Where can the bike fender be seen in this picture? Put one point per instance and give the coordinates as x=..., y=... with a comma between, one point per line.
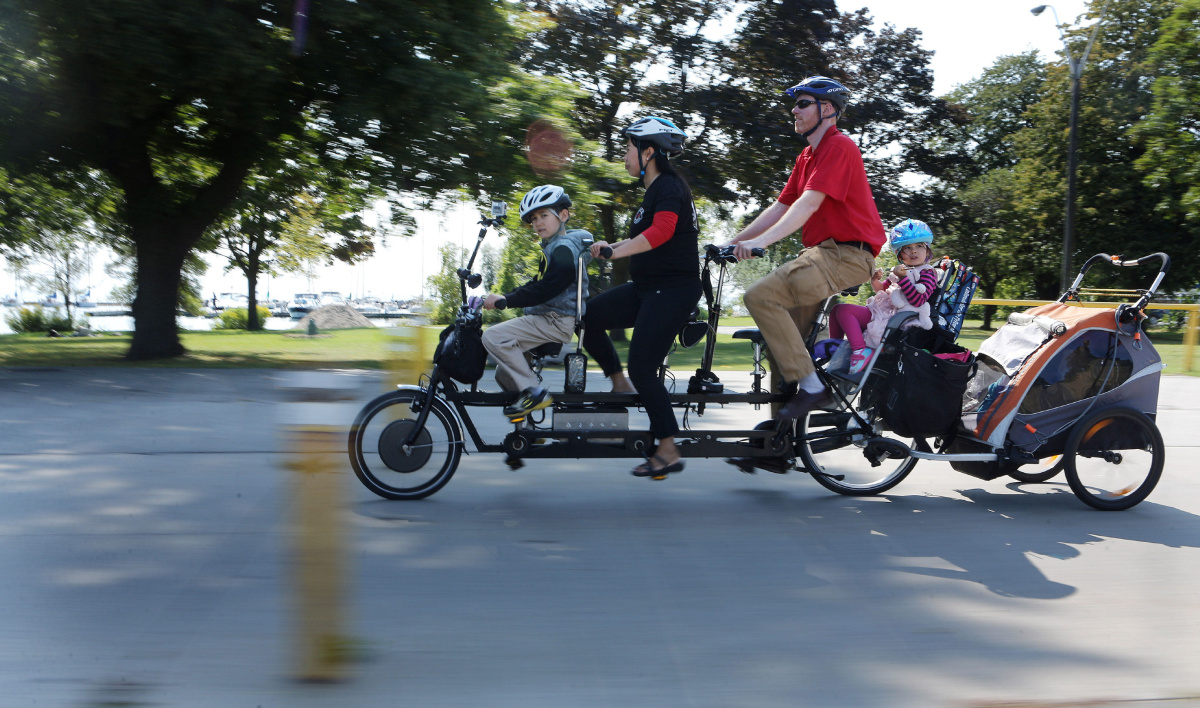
x=438, y=399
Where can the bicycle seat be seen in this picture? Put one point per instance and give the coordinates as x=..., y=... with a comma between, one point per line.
x=850, y=291
x=549, y=349
x=752, y=334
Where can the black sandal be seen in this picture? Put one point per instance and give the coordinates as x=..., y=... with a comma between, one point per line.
x=647, y=470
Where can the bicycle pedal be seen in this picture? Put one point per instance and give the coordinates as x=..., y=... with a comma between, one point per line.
x=517, y=420
x=659, y=479
x=741, y=465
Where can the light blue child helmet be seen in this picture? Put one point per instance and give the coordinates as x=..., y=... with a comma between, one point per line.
x=908, y=232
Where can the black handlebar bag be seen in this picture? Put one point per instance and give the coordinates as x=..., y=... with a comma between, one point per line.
x=460, y=351
x=924, y=397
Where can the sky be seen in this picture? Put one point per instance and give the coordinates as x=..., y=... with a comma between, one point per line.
x=966, y=37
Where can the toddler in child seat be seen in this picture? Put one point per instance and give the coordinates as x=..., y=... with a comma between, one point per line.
x=908, y=287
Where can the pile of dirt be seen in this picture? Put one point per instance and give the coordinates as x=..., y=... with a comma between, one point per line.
x=336, y=316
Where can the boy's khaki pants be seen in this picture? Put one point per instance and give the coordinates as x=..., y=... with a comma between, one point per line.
x=785, y=302
x=508, y=341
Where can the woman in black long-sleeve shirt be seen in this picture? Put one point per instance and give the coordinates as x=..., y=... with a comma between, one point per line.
x=663, y=289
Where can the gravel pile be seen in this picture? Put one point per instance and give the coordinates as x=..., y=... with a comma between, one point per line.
x=336, y=316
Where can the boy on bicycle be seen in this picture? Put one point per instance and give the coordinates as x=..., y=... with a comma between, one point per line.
x=548, y=299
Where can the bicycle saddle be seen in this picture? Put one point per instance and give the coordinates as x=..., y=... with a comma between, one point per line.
x=752, y=334
x=549, y=349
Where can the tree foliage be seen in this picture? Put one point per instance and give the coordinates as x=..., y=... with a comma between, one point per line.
x=445, y=294
x=295, y=209
x=1171, y=130
x=1003, y=192
x=51, y=224
x=178, y=102
x=1116, y=212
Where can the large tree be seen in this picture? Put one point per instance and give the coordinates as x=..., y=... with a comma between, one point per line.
x=972, y=205
x=1117, y=212
x=177, y=101
x=1171, y=130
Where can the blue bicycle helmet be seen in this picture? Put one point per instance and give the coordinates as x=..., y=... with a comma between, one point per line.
x=908, y=232
x=821, y=87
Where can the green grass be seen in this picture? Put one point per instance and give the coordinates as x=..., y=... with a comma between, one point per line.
x=368, y=348
x=221, y=349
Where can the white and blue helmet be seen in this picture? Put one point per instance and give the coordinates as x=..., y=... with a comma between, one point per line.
x=908, y=232
x=659, y=132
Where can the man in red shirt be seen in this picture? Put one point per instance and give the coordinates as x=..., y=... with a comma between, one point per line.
x=828, y=197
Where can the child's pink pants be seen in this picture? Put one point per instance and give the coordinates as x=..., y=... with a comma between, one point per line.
x=849, y=321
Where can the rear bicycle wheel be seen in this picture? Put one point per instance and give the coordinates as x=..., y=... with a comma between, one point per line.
x=1043, y=470
x=393, y=470
x=1114, y=458
x=833, y=444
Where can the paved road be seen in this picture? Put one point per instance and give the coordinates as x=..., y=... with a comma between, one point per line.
x=144, y=530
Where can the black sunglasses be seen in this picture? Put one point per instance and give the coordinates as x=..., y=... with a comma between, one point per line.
x=804, y=103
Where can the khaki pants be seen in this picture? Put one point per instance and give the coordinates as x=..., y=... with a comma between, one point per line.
x=785, y=302
x=508, y=341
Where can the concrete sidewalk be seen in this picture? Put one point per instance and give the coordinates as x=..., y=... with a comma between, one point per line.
x=145, y=534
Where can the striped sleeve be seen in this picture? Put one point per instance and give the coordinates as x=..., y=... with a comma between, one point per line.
x=914, y=297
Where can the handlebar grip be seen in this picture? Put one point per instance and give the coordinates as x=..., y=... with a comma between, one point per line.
x=1164, y=260
x=758, y=252
x=606, y=252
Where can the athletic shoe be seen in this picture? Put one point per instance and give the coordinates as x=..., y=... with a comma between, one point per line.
x=531, y=399
x=859, y=360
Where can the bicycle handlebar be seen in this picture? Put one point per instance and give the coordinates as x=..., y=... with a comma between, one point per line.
x=1164, y=266
x=725, y=254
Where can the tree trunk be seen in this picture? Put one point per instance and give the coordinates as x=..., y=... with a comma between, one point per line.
x=159, y=271
x=252, y=323
x=164, y=226
x=988, y=310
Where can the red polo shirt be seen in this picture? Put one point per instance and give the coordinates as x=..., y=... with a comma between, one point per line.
x=848, y=212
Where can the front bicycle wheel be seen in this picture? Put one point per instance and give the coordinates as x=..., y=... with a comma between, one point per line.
x=1114, y=458
x=833, y=444
x=390, y=468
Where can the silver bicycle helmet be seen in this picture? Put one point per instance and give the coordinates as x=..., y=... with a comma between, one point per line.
x=659, y=132
x=547, y=196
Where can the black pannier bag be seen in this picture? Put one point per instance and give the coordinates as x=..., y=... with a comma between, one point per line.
x=460, y=352
x=924, y=394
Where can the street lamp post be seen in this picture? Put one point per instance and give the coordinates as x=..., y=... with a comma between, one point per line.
x=1075, y=68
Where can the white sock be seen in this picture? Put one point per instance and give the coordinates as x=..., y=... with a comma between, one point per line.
x=812, y=384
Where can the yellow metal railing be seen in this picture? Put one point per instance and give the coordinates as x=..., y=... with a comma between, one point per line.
x=1191, y=331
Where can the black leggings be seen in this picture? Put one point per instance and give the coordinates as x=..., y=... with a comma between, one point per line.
x=656, y=314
